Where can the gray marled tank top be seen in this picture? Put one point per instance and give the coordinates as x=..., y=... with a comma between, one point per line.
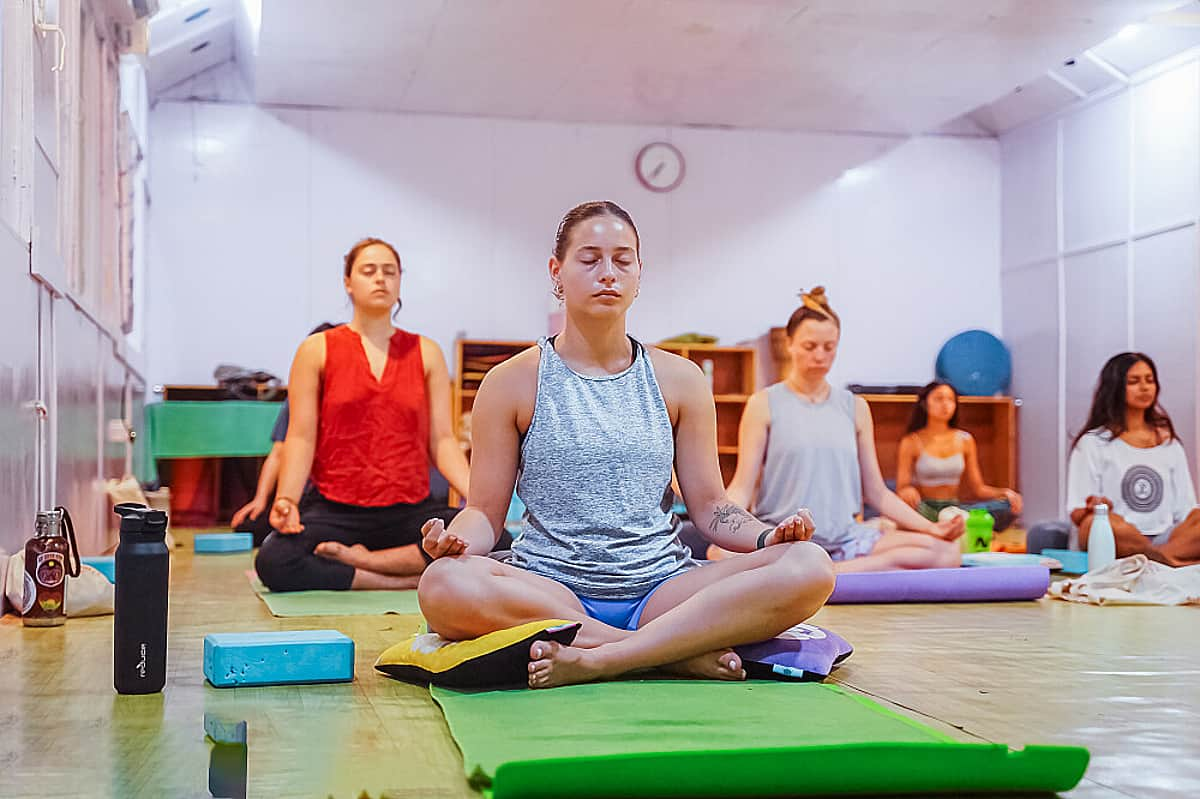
x=812, y=461
x=595, y=477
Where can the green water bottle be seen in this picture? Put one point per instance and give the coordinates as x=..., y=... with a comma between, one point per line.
x=978, y=537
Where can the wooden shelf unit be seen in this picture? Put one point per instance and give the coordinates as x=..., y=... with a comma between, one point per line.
x=733, y=375
x=991, y=420
x=734, y=370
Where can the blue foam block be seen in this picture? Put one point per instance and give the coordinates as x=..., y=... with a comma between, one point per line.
x=224, y=542
x=105, y=564
x=1073, y=562
x=224, y=731
x=280, y=658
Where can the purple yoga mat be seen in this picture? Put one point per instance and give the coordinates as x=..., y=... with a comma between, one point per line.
x=941, y=585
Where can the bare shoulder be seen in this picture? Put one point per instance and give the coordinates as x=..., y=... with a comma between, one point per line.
x=431, y=354
x=759, y=406
x=311, y=351
x=862, y=415
x=429, y=346
x=517, y=375
x=681, y=382
x=676, y=371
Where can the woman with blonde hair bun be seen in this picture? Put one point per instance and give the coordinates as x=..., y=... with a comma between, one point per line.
x=804, y=443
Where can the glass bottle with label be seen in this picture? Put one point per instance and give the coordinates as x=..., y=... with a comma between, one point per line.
x=48, y=563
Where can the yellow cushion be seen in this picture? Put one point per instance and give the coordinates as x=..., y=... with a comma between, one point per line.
x=497, y=659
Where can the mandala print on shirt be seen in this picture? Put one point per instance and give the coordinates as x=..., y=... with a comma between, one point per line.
x=1142, y=489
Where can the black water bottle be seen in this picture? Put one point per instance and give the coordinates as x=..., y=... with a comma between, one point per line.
x=140, y=616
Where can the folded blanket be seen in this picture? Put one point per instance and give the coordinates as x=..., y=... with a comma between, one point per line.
x=1135, y=580
x=89, y=594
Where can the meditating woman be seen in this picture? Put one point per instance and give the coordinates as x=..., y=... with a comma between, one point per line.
x=589, y=425
x=802, y=439
x=1128, y=457
x=935, y=456
x=370, y=408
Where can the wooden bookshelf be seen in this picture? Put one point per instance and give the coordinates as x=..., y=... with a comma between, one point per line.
x=991, y=420
x=733, y=375
x=734, y=370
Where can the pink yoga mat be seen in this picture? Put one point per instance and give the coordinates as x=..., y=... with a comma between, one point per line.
x=942, y=585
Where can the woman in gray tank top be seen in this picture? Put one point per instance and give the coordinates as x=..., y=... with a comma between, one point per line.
x=801, y=440
x=589, y=425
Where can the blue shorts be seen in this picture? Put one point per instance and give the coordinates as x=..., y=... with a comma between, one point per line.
x=624, y=614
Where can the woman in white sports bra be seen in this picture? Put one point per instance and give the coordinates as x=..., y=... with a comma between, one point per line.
x=936, y=456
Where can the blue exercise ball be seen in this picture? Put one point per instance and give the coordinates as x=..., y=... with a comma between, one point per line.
x=976, y=363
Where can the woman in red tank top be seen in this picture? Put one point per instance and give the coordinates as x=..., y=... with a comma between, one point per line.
x=370, y=410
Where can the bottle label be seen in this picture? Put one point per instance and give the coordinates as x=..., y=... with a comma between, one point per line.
x=49, y=569
x=29, y=596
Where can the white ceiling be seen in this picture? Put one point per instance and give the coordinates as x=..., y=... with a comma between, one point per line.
x=887, y=66
x=1108, y=65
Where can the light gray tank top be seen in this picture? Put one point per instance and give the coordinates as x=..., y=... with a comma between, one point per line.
x=595, y=477
x=812, y=461
x=931, y=471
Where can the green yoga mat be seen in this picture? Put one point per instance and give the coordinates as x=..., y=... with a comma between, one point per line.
x=668, y=738
x=335, y=603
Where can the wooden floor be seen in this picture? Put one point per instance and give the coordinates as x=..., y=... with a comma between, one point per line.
x=1124, y=682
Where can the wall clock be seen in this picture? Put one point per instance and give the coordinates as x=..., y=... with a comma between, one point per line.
x=659, y=166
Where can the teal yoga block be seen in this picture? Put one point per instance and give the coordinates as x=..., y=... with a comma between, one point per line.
x=1073, y=562
x=224, y=542
x=278, y=658
x=105, y=564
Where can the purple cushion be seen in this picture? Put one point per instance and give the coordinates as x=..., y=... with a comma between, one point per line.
x=805, y=652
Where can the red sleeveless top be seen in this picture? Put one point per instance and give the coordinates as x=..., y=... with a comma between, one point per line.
x=372, y=435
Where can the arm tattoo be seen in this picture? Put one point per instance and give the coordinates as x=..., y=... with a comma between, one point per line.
x=730, y=515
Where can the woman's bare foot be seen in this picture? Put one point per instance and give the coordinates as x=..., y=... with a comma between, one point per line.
x=551, y=664
x=357, y=556
x=721, y=664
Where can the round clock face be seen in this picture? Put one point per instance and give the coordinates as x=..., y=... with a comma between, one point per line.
x=659, y=166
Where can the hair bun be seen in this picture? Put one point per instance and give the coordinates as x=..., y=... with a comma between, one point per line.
x=816, y=300
x=813, y=305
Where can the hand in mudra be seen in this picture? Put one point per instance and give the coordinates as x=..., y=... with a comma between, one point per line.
x=285, y=517
x=797, y=527
x=951, y=528
x=439, y=542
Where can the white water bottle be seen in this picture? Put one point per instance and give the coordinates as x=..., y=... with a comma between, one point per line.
x=1102, y=547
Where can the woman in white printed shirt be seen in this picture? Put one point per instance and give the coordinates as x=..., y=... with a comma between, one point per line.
x=1128, y=457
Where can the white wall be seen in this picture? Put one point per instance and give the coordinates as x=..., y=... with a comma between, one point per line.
x=61, y=349
x=1100, y=210
x=254, y=207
